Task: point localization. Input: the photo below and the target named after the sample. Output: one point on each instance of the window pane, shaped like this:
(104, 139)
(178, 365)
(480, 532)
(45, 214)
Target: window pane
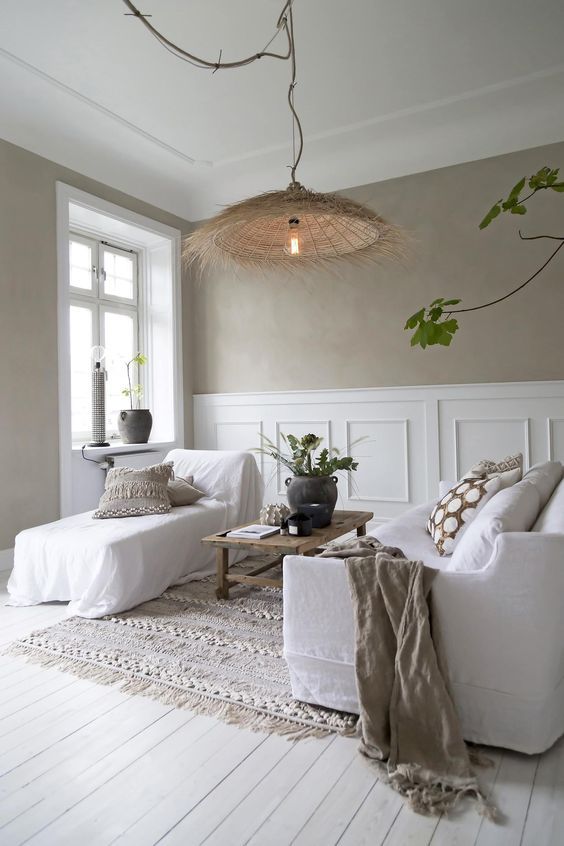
(80, 345)
(118, 280)
(80, 265)
(119, 341)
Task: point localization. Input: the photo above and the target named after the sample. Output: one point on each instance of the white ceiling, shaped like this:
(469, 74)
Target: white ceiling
(385, 88)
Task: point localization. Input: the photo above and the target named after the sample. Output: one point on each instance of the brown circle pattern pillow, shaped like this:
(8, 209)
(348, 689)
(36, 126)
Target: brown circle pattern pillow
(457, 509)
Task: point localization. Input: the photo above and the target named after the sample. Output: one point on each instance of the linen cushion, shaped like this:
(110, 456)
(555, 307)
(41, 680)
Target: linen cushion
(509, 469)
(456, 509)
(545, 477)
(514, 509)
(182, 492)
(134, 493)
(551, 518)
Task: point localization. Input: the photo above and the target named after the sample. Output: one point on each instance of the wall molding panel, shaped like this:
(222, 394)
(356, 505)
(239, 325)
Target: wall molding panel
(405, 439)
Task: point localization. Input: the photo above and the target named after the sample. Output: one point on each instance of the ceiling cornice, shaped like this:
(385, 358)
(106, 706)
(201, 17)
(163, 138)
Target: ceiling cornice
(72, 92)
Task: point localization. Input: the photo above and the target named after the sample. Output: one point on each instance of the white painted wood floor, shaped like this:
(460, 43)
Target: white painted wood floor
(84, 764)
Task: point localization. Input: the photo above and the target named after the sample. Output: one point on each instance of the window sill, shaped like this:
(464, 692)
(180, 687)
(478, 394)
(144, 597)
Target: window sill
(118, 448)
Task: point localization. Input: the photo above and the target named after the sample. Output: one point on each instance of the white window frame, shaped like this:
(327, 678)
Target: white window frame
(159, 248)
(99, 302)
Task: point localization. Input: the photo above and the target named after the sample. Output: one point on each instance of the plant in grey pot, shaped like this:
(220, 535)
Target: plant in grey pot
(134, 424)
(313, 479)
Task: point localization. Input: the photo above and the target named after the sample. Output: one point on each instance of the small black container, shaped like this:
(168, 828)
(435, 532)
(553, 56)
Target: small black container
(320, 513)
(300, 525)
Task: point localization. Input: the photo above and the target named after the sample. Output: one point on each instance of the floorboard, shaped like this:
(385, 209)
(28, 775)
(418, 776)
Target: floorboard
(84, 763)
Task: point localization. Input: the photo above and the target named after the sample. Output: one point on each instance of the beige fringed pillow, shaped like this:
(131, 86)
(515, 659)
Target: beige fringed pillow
(134, 493)
(456, 510)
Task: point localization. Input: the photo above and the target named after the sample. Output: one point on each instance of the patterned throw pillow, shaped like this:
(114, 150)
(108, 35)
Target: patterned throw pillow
(456, 509)
(134, 493)
(509, 469)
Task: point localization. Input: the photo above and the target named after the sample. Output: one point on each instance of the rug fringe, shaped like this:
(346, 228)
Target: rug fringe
(243, 716)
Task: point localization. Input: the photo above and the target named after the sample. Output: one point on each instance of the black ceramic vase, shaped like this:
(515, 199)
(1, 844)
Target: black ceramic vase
(306, 490)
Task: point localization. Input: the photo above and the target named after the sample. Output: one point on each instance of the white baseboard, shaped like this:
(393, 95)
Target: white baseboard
(6, 559)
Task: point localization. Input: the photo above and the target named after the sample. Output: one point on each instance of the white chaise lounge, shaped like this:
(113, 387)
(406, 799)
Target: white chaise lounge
(501, 626)
(106, 566)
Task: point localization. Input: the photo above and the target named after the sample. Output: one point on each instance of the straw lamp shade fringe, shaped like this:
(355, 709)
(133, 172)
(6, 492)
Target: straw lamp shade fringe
(253, 233)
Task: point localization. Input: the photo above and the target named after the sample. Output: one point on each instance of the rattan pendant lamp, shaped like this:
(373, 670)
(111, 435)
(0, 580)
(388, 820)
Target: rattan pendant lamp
(294, 228)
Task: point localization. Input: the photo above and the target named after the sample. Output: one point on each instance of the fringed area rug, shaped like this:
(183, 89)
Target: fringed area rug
(186, 649)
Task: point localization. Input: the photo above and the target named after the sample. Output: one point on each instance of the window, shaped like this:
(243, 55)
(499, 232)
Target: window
(104, 311)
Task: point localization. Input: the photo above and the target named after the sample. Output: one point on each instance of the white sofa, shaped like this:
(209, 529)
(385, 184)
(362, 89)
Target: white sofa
(106, 566)
(501, 626)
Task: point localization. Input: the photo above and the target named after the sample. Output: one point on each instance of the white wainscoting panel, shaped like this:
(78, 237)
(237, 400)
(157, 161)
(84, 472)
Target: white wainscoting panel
(405, 439)
(382, 451)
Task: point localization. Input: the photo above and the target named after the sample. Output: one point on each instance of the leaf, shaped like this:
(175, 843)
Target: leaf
(558, 186)
(451, 302)
(436, 302)
(491, 215)
(516, 190)
(519, 209)
(538, 179)
(416, 318)
(417, 338)
(435, 313)
(450, 325)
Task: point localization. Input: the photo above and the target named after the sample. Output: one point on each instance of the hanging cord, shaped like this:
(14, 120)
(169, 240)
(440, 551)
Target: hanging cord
(218, 65)
(296, 125)
(286, 23)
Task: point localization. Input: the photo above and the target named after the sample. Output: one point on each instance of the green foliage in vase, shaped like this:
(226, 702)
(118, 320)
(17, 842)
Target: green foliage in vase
(134, 390)
(301, 459)
(435, 324)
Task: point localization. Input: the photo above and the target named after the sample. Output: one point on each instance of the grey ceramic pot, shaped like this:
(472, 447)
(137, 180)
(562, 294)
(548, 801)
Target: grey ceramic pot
(135, 425)
(310, 489)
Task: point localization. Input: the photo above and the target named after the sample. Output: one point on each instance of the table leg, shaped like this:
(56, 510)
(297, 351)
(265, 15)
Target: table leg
(361, 531)
(222, 561)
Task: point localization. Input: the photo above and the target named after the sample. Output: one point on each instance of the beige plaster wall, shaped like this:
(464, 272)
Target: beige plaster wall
(29, 468)
(345, 330)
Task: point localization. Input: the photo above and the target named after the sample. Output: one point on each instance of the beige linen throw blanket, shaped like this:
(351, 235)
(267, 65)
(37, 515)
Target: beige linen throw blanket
(408, 722)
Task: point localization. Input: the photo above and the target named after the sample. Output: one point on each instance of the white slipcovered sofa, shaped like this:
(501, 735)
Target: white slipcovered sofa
(106, 566)
(500, 622)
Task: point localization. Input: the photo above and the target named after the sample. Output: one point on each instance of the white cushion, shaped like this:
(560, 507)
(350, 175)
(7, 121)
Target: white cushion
(513, 509)
(545, 477)
(408, 532)
(551, 518)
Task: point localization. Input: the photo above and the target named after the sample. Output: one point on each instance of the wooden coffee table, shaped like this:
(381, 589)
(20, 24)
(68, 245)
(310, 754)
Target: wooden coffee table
(342, 523)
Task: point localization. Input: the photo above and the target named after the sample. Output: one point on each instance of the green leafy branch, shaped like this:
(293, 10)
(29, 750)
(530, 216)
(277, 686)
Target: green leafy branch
(434, 324)
(134, 390)
(515, 204)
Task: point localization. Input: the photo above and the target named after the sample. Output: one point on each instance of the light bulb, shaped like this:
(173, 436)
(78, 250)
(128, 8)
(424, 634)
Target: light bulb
(293, 241)
(97, 354)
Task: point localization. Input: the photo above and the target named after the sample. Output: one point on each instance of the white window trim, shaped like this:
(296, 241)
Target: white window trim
(99, 301)
(160, 234)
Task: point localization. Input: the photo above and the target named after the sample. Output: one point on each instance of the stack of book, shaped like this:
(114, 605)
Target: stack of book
(254, 532)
